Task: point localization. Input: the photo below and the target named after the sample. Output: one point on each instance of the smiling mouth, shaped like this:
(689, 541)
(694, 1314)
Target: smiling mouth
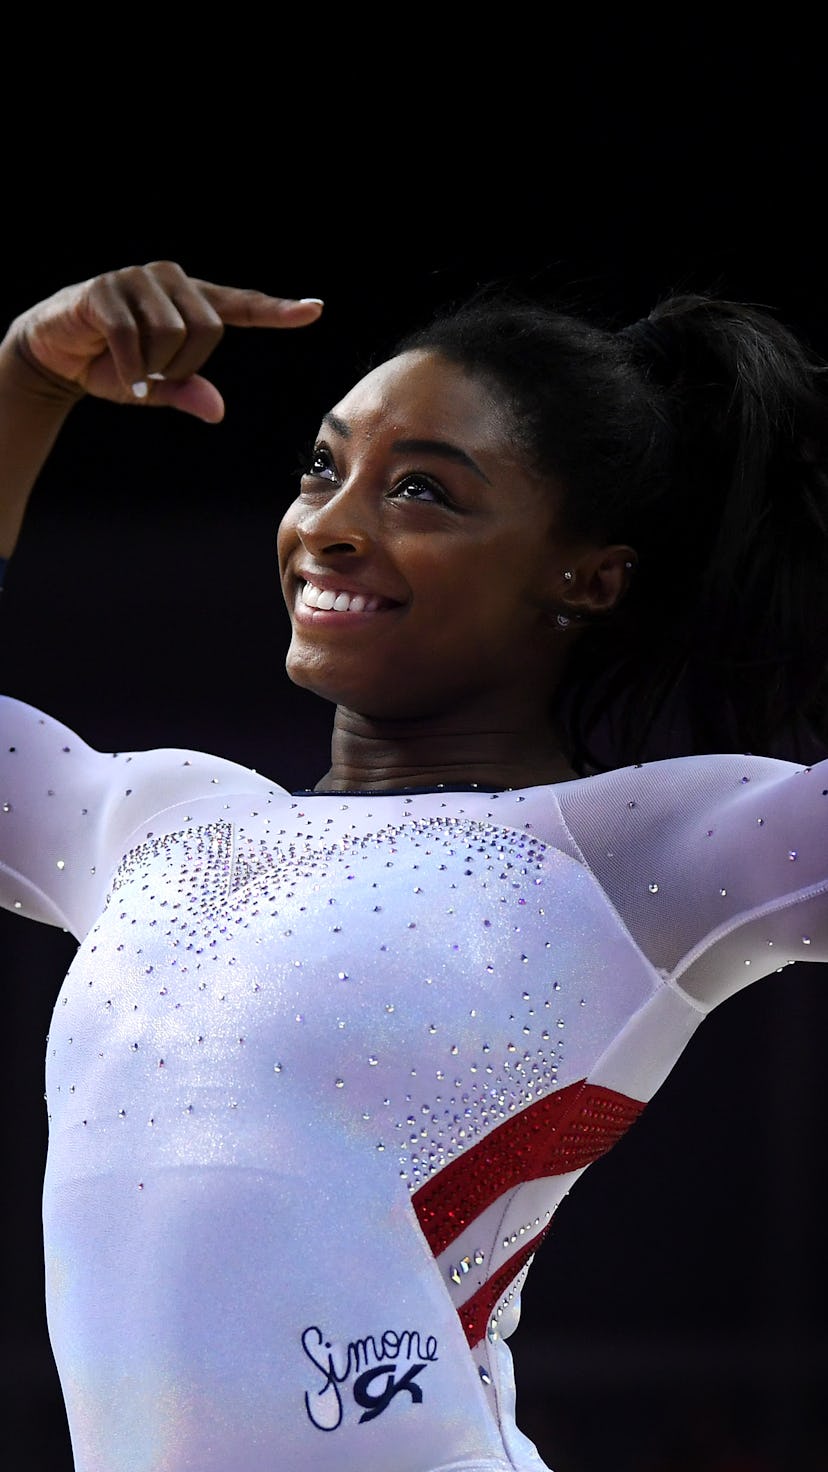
(329, 600)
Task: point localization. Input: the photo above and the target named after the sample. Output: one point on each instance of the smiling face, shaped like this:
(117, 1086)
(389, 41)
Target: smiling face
(420, 561)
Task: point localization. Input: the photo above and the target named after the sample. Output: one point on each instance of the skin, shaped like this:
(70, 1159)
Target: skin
(454, 677)
(137, 336)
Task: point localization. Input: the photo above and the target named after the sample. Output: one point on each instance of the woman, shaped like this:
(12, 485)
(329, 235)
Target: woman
(326, 1063)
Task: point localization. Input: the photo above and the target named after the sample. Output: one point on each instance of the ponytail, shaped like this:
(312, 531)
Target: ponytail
(699, 436)
(742, 604)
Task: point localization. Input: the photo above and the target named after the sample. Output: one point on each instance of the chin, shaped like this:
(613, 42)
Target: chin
(319, 679)
(383, 691)
(369, 705)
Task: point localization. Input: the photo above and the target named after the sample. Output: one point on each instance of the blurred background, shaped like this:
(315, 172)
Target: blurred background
(676, 1319)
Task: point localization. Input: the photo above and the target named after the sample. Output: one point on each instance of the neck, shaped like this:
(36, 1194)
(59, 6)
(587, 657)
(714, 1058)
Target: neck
(385, 756)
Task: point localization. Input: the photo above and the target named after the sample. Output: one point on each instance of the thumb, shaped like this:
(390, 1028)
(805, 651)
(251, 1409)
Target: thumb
(194, 395)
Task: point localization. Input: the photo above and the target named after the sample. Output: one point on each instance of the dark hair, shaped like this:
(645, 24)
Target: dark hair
(699, 436)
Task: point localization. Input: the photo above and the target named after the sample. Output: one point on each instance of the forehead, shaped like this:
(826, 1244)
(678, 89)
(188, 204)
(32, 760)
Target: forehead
(421, 394)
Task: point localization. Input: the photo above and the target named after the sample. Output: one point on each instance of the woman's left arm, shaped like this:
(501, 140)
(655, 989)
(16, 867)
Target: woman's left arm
(717, 864)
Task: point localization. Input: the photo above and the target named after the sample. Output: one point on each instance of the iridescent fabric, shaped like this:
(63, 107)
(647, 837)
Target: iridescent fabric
(324, 1067)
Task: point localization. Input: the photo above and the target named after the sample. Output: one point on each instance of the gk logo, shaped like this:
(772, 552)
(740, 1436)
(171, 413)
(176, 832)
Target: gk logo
(378, 1403)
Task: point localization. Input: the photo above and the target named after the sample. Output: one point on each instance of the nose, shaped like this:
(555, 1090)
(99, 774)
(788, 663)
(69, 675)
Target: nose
(338, 525)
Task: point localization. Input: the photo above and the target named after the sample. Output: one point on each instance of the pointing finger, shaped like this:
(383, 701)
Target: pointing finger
(239, 307)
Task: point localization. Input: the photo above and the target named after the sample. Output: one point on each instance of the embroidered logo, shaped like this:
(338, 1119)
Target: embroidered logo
(375, 1370)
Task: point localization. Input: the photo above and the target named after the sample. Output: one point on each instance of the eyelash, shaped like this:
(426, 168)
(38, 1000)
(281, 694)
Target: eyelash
(306, 468)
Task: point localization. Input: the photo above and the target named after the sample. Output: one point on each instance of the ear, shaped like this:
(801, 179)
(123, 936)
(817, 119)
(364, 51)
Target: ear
(600, 578)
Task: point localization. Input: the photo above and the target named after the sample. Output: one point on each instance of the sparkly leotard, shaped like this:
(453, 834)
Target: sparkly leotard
(323, 1068)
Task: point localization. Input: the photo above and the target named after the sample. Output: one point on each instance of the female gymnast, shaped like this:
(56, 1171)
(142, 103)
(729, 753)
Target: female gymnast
(325, 1063)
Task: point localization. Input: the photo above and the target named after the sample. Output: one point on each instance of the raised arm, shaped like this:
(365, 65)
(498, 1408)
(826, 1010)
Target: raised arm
(136, 336)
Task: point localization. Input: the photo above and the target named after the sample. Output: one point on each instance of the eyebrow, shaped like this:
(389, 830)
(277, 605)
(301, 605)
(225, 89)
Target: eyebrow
(443, 448)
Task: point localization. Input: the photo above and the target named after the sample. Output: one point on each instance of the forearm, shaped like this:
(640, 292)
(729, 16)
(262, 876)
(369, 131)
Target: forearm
(33, 408)
(147, 326)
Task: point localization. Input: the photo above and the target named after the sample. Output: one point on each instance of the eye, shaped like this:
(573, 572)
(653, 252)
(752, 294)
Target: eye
(420, 488)
(318, 464)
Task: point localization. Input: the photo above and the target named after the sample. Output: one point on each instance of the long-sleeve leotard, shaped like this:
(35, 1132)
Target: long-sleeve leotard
(323, 1068)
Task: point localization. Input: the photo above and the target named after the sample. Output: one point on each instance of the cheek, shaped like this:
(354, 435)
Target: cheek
(285, 538)
(498, 590)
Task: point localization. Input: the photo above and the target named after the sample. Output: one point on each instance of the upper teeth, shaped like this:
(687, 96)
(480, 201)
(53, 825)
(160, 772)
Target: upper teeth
(326, 598)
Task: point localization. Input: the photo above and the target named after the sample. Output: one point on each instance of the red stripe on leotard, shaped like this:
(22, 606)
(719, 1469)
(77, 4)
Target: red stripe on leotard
(476, 1312)
(562, 1132)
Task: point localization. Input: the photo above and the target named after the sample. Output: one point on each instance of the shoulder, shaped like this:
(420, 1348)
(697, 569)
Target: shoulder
(68, 812)
(33, 744)
(686, 817)
(676, 785)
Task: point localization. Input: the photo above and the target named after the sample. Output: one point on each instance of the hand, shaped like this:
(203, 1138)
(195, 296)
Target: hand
(139, 335)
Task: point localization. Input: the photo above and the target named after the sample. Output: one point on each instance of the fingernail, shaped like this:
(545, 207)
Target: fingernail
(140, 389)
(314, 301)
(158, 376)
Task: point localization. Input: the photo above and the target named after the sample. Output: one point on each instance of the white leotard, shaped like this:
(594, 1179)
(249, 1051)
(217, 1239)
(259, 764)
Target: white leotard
(323, 1067)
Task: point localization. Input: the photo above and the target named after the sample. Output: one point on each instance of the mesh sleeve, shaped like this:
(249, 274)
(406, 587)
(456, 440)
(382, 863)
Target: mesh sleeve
(718, 865)
(67, 812)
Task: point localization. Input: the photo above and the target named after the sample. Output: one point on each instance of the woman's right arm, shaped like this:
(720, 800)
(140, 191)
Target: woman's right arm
(136, 336)
(32, 411)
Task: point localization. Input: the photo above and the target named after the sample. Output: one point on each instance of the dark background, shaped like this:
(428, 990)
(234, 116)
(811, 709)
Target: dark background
(676, 1319)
